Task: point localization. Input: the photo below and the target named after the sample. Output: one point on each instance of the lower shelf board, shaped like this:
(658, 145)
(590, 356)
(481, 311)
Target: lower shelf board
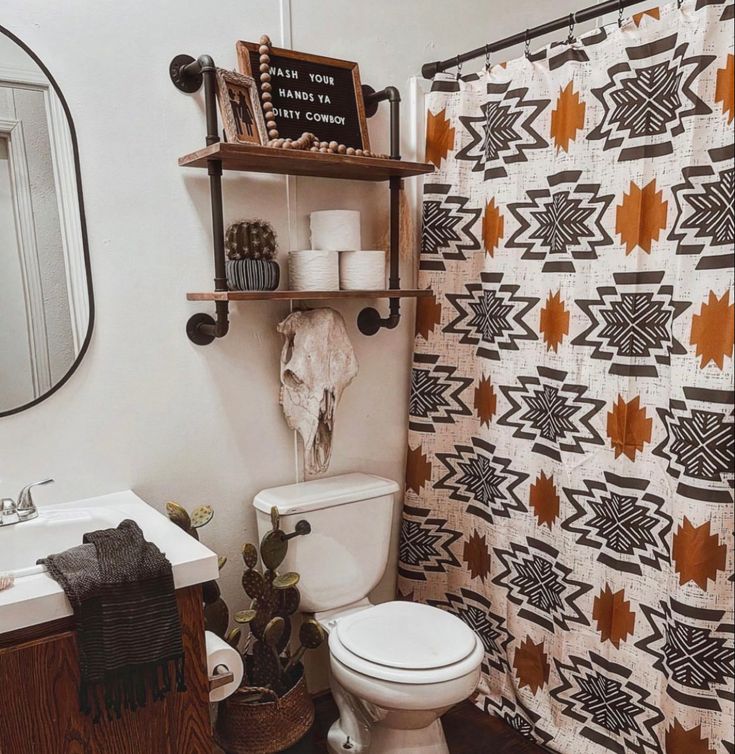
(306, 295)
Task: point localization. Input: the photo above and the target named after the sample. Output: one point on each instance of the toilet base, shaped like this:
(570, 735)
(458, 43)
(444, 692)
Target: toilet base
(385, 740)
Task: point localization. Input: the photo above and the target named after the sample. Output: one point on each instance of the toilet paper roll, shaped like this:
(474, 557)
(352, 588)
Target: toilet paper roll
(313, 270)
(362, 270)
(336, 230)
(221, 657)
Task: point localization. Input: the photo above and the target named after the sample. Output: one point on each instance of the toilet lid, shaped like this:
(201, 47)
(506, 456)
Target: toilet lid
(406, 635)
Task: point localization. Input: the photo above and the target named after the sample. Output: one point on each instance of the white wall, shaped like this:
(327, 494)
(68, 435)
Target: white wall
(147, 409)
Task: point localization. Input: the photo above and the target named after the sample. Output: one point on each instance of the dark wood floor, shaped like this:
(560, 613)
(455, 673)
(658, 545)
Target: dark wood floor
(468, 731)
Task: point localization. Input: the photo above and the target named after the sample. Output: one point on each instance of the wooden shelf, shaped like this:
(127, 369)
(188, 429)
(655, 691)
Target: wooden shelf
(305, 295)
(292, 162)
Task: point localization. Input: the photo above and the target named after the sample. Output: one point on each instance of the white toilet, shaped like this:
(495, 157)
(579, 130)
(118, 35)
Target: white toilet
(396, 667)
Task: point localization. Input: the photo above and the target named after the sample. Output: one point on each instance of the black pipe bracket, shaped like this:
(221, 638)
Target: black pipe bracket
(369, 321)
(189, 75)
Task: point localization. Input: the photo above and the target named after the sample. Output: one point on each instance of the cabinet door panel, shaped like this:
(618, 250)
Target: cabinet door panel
(41, 714)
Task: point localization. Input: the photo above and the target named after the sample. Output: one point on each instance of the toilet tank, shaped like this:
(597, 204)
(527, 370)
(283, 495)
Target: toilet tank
(346, 553)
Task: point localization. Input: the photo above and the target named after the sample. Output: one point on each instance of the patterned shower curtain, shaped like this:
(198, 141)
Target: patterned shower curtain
(570, 469)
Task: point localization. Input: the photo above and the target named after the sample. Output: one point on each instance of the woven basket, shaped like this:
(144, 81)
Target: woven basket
(264, 727)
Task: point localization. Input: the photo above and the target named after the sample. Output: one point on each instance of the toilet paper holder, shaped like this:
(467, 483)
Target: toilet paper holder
(221, 676)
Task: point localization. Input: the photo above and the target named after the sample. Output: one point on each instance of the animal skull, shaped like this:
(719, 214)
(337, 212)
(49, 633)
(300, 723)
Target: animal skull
(317, 364)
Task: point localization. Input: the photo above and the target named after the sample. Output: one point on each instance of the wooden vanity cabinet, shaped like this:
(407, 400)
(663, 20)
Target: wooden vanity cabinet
(39, 708)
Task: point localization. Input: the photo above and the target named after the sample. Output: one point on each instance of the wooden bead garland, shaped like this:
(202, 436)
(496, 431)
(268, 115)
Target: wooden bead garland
(307, 141)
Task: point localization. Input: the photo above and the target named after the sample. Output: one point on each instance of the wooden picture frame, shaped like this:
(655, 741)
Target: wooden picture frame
(239, 105)
(306, 64)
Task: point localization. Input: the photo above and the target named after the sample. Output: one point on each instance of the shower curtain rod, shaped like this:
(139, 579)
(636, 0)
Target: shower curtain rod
(429, 70)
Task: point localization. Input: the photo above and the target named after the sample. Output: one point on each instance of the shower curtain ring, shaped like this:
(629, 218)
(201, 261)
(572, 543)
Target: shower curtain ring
(528, 45)
(488, 64)
(572, 24)
(458, 63)
(620, 13)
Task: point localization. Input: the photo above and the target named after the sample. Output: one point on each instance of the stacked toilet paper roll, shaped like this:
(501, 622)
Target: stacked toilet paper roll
(336, 259)
(313, 270)
(336, 230)
(362, 270)
(222, 658)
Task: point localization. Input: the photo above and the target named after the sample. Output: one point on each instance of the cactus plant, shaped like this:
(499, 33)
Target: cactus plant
(251, 239)
(275, 598)
(216, 613)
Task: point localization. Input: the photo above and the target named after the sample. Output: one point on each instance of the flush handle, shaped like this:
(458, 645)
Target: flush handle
(301, 530)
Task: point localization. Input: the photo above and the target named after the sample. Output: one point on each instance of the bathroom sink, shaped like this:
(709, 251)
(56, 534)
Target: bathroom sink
(56, 529)
(36, 598)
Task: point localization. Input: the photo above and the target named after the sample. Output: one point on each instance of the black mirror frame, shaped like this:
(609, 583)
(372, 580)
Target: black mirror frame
(82, 220)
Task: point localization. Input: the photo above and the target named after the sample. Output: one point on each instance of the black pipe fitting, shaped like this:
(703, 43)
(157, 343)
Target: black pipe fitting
(391, 95)
(369, 321)
(189, 75)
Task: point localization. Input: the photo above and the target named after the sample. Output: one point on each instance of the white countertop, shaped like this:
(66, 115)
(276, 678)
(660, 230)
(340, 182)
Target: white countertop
(37, 598)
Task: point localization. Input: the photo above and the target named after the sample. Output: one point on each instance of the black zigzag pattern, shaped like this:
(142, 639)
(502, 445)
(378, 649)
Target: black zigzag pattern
(631, 324)
(449, 227)
(552, 413)
(504, 132)
(627, 525)
(478, 476)
(541, 585)
(436, 394)
(612, 711)
(693, 648)
(491, 316)
(425, 544)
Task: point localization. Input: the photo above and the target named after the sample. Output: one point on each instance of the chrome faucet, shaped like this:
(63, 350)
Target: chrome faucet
(24, 510)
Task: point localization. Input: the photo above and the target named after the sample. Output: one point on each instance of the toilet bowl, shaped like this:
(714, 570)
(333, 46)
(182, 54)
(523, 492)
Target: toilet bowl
(395, 667)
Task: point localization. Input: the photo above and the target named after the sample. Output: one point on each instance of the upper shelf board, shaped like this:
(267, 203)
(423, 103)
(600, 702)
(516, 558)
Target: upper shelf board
(306, 295)
(295, 162)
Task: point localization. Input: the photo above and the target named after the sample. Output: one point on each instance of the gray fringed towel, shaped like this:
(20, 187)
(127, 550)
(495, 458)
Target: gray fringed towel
(128, 629)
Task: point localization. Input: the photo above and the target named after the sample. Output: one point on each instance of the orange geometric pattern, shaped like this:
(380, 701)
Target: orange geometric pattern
(725, 90)
(476, 556)
(615, 619)
(713, 330)
(628, 427)
(486, 401)
(531, 665)
(439, 137)
(554, 321)
(567, 118)
(544, 500)
(418, 469)
(682, 741)
(698, 554)
(428, 316)
(493, 227)
(651, 12)
(641, 217)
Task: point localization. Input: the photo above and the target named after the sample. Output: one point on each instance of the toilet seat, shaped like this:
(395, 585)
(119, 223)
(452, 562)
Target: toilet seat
(406, 642)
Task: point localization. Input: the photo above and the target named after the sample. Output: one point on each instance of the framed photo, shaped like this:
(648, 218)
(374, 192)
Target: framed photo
(311, 93)
(239, 104)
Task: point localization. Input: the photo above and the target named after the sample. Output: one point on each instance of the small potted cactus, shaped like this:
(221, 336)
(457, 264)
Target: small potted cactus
(251, 247)
(272, 709)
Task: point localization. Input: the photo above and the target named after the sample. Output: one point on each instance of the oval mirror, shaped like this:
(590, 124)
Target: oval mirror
(46, 304)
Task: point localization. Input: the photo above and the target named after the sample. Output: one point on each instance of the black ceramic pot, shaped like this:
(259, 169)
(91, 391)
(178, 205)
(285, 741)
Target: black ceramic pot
(252, 275)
